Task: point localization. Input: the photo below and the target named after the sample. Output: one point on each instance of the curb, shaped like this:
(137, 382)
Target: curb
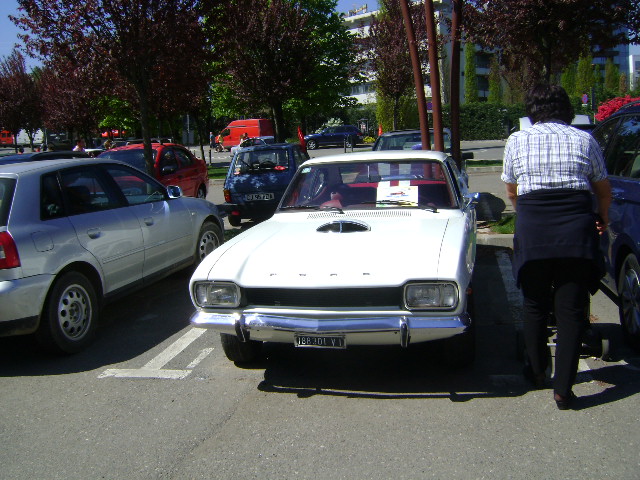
(495, 240)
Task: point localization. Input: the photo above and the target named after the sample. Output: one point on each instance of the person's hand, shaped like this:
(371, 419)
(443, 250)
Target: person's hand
(601, 224)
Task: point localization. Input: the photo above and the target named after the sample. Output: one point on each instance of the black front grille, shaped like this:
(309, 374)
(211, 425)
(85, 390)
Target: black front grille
(327, 298)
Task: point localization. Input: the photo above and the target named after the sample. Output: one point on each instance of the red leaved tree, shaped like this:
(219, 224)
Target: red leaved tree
(155, 49)
(19, 97)
(546, 35)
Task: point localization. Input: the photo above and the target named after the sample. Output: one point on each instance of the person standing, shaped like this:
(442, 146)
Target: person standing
(550, 170)
(79, 146)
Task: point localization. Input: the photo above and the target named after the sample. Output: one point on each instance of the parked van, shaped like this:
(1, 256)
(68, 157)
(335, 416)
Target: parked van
(253, 127)
(6, 137)
(23, 137)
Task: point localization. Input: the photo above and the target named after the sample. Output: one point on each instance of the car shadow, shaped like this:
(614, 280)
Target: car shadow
(489, 207)
(129, 328)
(380, 373)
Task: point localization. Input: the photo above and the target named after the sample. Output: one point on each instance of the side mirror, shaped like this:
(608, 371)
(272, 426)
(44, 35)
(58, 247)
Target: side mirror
(169, 169)
(471, 198)
(174, 191)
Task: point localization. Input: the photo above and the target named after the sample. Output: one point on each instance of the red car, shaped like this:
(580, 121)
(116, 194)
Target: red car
(173, 165)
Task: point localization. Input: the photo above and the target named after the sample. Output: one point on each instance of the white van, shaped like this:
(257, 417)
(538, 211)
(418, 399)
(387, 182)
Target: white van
(23, 138)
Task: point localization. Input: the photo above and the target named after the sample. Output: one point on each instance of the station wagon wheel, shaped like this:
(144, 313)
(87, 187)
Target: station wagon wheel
(202, 192)
(629, 304)
(70, 315)
(209, 238)
(312, 144)
(349, 142)
(238, 351)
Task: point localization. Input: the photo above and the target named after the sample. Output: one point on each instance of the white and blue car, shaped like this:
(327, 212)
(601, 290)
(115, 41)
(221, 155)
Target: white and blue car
(372, 248)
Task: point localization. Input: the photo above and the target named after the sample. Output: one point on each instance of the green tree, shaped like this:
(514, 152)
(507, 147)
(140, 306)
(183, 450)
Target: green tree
(611, 77)
(495, 81)
(278, 56)
(470, 78)
(584, 76)
(568, 79)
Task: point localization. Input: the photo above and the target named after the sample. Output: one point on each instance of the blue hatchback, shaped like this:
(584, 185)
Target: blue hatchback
(257, 179)
(619, 137)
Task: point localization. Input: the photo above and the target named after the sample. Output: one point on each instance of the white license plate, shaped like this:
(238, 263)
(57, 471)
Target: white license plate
(320, 341)
(259, 196)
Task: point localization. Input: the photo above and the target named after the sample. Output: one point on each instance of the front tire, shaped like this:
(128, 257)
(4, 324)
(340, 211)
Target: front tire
(629, 300)
(202, 192)
(238, 351)
(312, 144)
(70, 315)
(235, 220)
(209, 238)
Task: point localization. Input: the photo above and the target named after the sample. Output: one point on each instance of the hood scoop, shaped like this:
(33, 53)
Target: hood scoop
(343, 226)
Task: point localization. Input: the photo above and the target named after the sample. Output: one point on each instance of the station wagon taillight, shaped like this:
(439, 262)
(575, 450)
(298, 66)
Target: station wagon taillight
(227, 195)
(8, 252)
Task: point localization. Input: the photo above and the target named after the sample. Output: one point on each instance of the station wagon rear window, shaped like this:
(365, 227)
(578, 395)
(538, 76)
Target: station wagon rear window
(7, 186)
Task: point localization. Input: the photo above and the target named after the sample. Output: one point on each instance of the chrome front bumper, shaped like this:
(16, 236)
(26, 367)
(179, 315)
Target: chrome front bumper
(368, 330)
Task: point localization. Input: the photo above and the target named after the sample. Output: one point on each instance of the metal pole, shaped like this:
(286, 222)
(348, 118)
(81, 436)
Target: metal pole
(434, 72)
(417, 76)
(456, 21)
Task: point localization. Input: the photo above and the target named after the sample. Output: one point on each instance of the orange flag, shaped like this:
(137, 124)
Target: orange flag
(303, 144)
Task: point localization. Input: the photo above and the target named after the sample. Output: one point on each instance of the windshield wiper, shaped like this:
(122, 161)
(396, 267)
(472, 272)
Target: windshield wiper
(311, 207)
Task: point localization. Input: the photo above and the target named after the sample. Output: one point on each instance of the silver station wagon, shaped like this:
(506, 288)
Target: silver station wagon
(75, 233)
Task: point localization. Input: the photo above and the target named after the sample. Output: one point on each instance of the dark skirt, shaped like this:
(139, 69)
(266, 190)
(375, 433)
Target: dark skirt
(557, 223)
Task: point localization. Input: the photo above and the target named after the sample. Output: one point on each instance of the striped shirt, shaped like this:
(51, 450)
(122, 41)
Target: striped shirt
(552, 155)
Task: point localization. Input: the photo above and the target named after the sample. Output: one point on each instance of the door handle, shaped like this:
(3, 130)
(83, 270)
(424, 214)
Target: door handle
(93, 233)
(148, 221)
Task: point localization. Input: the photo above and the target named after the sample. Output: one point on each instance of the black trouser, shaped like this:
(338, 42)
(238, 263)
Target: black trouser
(561, 285)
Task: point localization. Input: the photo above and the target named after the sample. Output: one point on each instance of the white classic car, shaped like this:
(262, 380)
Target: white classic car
(372, 248)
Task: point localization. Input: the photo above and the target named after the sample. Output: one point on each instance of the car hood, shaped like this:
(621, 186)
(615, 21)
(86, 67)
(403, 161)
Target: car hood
(289, 251)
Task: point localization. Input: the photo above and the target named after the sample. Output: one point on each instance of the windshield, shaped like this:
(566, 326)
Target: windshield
(134, 157)
(406, 141)
(256, 161)
(384, 184)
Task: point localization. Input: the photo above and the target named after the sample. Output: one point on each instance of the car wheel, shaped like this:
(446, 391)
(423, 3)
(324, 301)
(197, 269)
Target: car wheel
(238, 351)
(70, 315)
(312, 144)
(209, 238)
(202, 192)
(349, 142)
(234, 220)
(629, 303)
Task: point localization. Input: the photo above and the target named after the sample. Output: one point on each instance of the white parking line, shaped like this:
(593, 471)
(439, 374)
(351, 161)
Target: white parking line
(153, 368)
(199, 358)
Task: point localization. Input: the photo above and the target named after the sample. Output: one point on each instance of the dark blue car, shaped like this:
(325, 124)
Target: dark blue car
(341, 135)
(619, 136)
(257, 179)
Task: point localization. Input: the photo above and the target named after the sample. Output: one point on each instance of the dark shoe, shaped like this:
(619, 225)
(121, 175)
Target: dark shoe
(538, 380)
(564, 403)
